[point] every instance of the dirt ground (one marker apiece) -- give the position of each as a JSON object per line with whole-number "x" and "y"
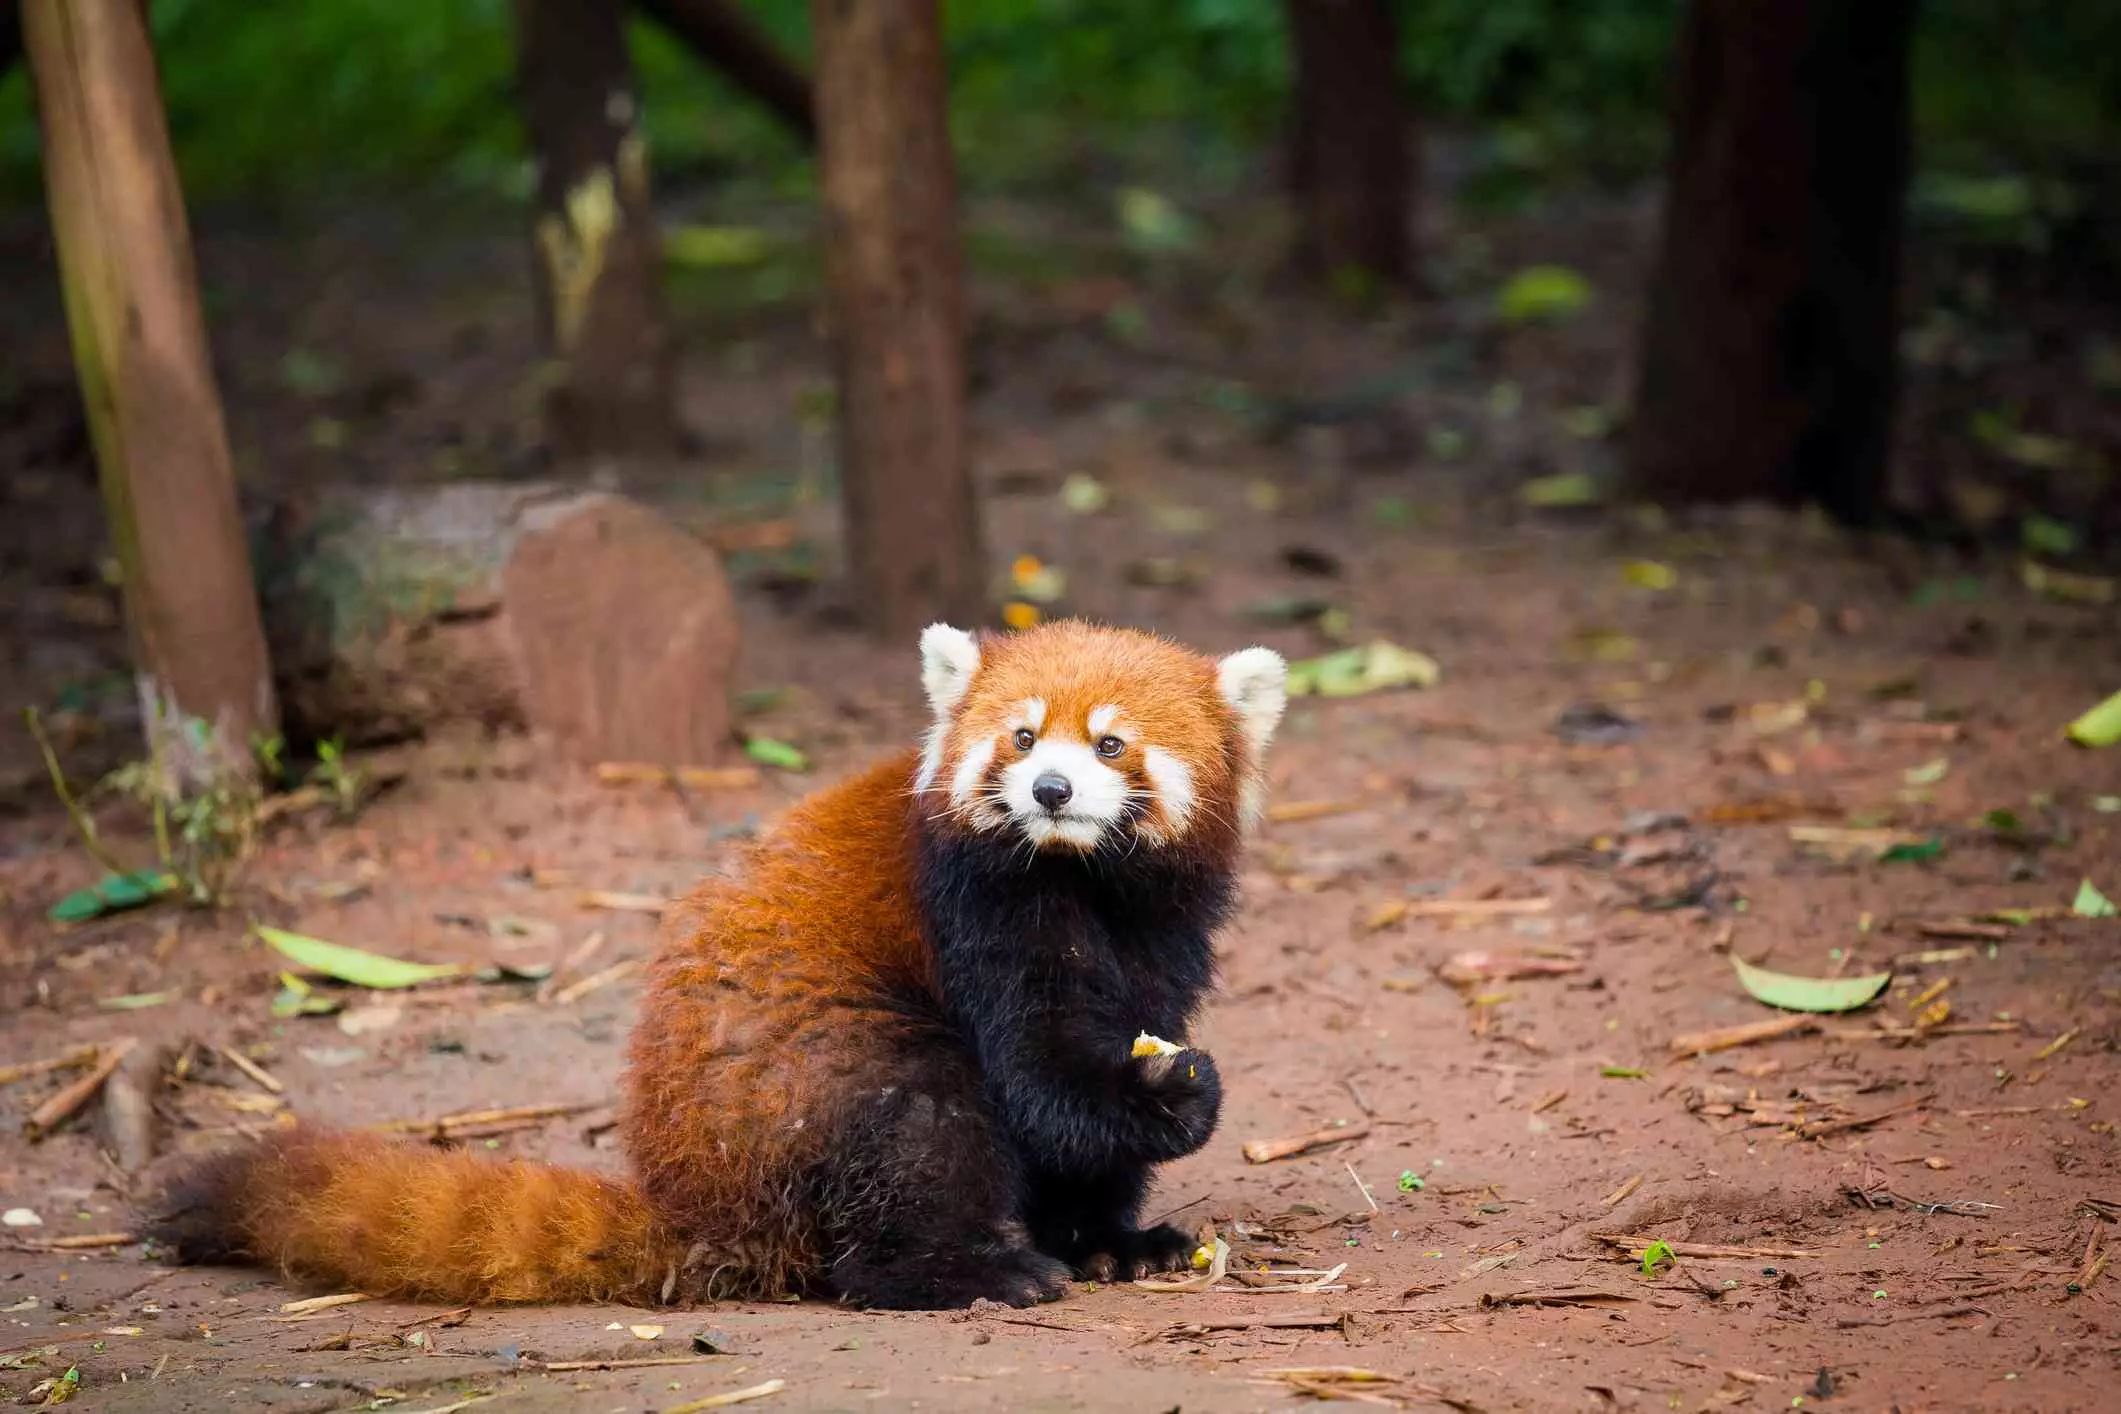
{"x": 1625, "y": 776}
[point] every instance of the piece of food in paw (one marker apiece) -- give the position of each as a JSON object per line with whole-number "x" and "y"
{"x": 1147, "y": 1045}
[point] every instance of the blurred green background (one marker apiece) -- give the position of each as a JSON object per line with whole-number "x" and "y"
{"x": 308, "y": 99}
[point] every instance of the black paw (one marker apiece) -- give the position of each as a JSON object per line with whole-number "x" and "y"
{"x": 1130, "y": 1256}
{"x": 1018, "y": 1277}
{"x": 1185, "y": 1088}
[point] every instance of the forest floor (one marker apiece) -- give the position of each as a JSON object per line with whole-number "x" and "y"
{"x": 1774, "y": 742}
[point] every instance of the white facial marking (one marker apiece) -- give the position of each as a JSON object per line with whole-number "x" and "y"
{"x": 1174, "y": 785}
{"x": 965, "y": 782}
{"x": 1255, "y": 681}
{"x": 1031, "y": 712}
{"x": 949, "y": 657}
{"x": 931, "y": 757}
{"x": 1101, "y": 721}
{"x": 1097, "y": 794}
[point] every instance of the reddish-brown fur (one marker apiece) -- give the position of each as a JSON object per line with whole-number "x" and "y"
{"x": 776, "y": 1001}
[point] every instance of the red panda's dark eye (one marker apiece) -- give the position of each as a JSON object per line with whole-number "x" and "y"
{"x": 1024, "y": 739}
{"x": 1110, "y": 746}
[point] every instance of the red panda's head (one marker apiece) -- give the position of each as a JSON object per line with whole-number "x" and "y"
{"x": 1070, "y": 736}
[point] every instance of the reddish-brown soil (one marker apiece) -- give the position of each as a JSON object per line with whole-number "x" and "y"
{"x": 1906, "y": 1218}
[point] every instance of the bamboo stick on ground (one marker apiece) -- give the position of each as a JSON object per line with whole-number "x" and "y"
{"x": 1263, "y": 1151}
{"x": 69, "y": 1102}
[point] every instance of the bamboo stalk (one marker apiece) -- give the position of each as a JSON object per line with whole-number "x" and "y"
{"x": 75, "y": 1097}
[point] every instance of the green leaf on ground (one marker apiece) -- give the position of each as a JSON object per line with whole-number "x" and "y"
{"x": 1916, "y": 852}
{"x": 1569, "y": 488}
{"x": 1542, "y": 294}
{"x": 1790, "y": 993}
{"x": 354, "y": 966}
{"x": 1657, "y": 1254}
{"x": 1623, "y": 1072}
{"x": 1372, "y": 667}
{"x": 768, "y": 751}
{"x": 114, "y": 893}
{"x": 2090, "y": 903}
{"x": 1650, "y": 574}
{"x": 136, "y": 1001}
{"x": 297, "y": 998}
{"x": 2099, "y": 727}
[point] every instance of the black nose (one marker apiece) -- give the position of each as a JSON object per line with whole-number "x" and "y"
{"x": 1052, "y": 790}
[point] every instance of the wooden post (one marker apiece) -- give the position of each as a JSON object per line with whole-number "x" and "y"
{"x": 1352, "y": 157}
{"x": 599, "y": 268}
{"x": 894, "y": 274}
{"x": 132, "y": 305}
{"x": 724, "y": 36}
{"x": 1768, "y": 355}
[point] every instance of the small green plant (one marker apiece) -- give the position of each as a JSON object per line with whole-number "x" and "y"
{"x": 203, "y": 833}
{"x": 335, "y": 774}
{"x": 1657, "y": 1254}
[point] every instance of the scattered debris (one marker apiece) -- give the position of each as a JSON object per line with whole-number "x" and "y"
{"x": 614, "y": 902}
{"x": 702, "y": 778}
{"x": 479, "y": 1124}
{"x": 2101, "y": 726}
{"x": 72, "y": 1060}
{"x": 1624, "y": 1192}
{"x": 1373, "y": 667}
{"x": 1470, "y": 969}
{"x": 264, "y": 1078}
{"x": 1595, "y": 724}
{"x": 314, "y": 1304}
{"x": 2090, "y": 903}
{"x": 1637, "y": 1246}
{"x": 1567, "y": 1296}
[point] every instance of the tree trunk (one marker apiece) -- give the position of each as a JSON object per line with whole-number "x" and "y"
{"x": 724, "y": 36}
{"x": 1351, "y": 149}
{"x": 894, "y": 274}
{"x": 609, "y": 379}
{"x": 587, "y": 618}
{"x": 1768, "y": 364}
{"x": 132, "y": 304}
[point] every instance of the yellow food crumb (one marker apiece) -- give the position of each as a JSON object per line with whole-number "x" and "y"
{"x": 1203, "y": 1257}
{"x": 1147, "y": 1045}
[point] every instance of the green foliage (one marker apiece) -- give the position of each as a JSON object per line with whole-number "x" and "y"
{"x": 303, "y": 97}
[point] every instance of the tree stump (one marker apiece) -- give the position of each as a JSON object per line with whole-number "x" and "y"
{"x": 582, "y": 617}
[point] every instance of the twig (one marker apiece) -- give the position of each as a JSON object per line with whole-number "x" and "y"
{"x": 82, "y": 1242}
{"x": 1361, "y": 1187}
{"x": 265, "y": 1078}
{"x": 613, "y": 901}
{"x": 1723, "y": 1038}
{"x": 722, "y": 1401}
{"x": 1294, "y": 811}
{"x": 1263, "y": 1151}
{"x": 83, "y": 824}
{"x": 68, "y": 1102}
{"x": 633, "y": 773}
{"x": 1574, "y": 1296}
{"x": 1851, "y": 1323}
{"x": 462, "y": 1124}
{"x": 1622, "y": 1193}
{"x": 1819, "y": 1129}
{"x": 1309, "y": 1321}
{"x": 1908, "y": 1033}
{"x": 2058, "y": 1043}
{"x": 584, "y": 950}
{"x": 1707, "y": 1251}
{"x": 561, "y": 1367}
{"x": 323, "y": 1303}
{"x": 78, "y": 1056}
{"x": 575, "y": 991}
{"x": 1478, "y": 907}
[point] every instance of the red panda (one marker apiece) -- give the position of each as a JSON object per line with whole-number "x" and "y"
{"x": 890, "y": 1064}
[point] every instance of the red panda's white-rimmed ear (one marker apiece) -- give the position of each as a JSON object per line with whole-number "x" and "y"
{"x": 949, "y": 657}
{"x": 1255, "y": 681}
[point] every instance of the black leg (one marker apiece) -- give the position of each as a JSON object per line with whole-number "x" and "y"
{"x": 1092, "y": 1225}
{"x": 922, "y": 1206}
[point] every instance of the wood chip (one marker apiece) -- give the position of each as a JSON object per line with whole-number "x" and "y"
{"x": 69, "y": 1102}
{"x": 1745, "y": 1033}
{"x": 1309, "y": 1321}
{"x": 1293, "y": 811}
{"x": 1820, "y": 1128}
{"x": 2058, "y": 1043}
{"x": 1264, "y": 1151}
{"x": 468, "y": 1124}
{"x": 82, "y": 1242}
{"x": 323, "y": 1303}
